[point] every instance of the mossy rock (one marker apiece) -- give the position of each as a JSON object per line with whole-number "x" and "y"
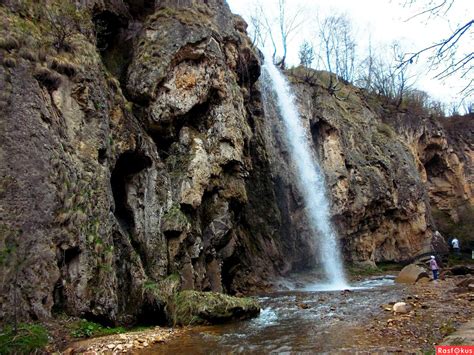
{"x": 174, "y": 220}
{"x": 193, "y": 307}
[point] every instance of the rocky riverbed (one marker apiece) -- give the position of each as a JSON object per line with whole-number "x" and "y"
{"x": 361, "y": 319}
{"x": 123, "y": 343}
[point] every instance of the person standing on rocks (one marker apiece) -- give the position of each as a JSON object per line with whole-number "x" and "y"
{"x": 434, "y": 267}
{"x": 455, "y": 244}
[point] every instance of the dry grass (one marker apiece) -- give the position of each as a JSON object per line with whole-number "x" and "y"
{"x": 193, "y": 307}
{"x": 9, "y": 43}
{"x": 9, "y": 62}
{"x": 63, "y": 66}
{"x": 28, "y": 54}
{"x": 48, "y": 78}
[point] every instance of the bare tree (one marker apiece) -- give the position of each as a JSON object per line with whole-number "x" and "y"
{"x": 263, "y": 28}
{"x": 338, "y": 46}
{"x": 257, "y": 30}
{"x": 384, "y": 76}
{"x": 289, "y": 22}
{"x": 306, "y": 54}
{"x": 469, "y": 107}
{"x": 445, "y": 56}
{"x": 400, "y": 74}
{"x": 366, "y": 68}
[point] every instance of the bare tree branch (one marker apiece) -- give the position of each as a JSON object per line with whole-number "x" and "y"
{"x": 446, "y": 57}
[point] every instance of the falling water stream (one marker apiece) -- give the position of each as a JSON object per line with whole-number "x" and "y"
{"x": 298, "y": 319}
{"x": 311, "y": 179}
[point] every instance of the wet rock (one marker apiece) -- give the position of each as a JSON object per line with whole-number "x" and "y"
{"x": 411, "y": 274}
{"x": 192, "y": 307}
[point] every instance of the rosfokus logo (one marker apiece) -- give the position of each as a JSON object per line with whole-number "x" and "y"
{"x": 455, "y": 349}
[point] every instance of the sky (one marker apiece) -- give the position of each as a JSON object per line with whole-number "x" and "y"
{"x": 384, "y": 21}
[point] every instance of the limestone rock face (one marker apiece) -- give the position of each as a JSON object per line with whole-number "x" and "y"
{"x": 443, "y": 149}
{"x": 379, "y": 203}
{"x": 128, "y": 155}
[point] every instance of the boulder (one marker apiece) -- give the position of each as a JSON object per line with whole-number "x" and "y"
{"x": 466, "y": 282}
{"x": 400, "y": 307}
{"x": 193, "y": 307}
{"x": 411, "y": 274}
{"x": 462, "y": 270}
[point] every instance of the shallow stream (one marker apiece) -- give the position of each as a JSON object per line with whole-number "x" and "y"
{"x": 308, "y": 319}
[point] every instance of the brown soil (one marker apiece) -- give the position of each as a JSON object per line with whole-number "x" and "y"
{"x": 436, "y": 309}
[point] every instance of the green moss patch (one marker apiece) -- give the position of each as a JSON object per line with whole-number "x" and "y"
{"x": 86, "y": 329}
{"x": 27, "y": 339}
{"x": 193, "y": 307}
{"x": 174, "y": 220}
{"x": 368, "y": 270}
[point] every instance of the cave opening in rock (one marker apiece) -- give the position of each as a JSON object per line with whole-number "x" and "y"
{"x": 102, "y": 155}
{"x": 128, "y": 164}
{"x": 152, "y": 313}
{"x": 114, "y": 42}
{"x": 435, "y": 167}
{"x": 65, "y": 258}
{"x": 229, "y": 268}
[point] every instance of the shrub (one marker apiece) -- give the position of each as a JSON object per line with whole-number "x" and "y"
{"x": 65, "y": 20}
{"x": 27, "y": 339}
{"x": 43, "y": 54}
{"x": 87, "y": 329}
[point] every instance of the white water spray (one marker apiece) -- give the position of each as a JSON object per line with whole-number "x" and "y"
{"x": 311, "y": 179}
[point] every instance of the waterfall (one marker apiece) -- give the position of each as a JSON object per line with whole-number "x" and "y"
{"x": 310, "y": 177}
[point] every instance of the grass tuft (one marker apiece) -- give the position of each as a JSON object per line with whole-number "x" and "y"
{"x": 29, "y": 338}
{"x": 48, "y": 78}
{"x": 87, "y": 329}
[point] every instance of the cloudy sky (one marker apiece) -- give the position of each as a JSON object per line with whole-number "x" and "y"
{"x": 384, "y": 21}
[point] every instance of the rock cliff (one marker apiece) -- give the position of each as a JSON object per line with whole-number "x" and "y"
{"x": 130, "y": 153}
{"x": 379, "y": 202}
{"x": 136, "y": 159}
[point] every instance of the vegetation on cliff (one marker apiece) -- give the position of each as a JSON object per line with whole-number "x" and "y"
{"x": 137, "y": 162}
